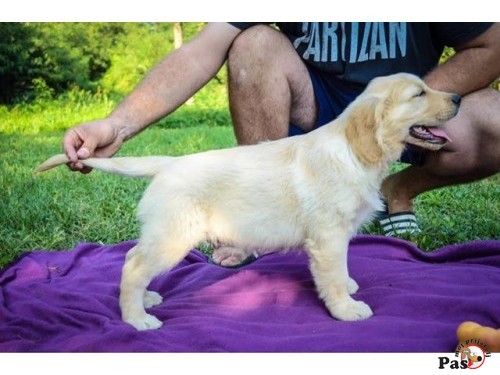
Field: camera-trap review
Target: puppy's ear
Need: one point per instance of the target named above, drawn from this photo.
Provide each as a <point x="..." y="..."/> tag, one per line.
<point x="361" y="131"/>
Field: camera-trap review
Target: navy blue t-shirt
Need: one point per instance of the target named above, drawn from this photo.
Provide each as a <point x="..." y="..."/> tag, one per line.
<point x="359" y="51"/>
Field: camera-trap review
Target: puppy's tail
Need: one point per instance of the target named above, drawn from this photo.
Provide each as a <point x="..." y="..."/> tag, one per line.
<point x="126" y="166"/>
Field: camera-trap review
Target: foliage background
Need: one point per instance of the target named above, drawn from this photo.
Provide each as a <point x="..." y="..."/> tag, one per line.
<point x="42" y="60"/>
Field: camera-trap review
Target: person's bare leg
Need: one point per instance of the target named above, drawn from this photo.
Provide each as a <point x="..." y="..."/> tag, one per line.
<point x="474" y="153"/>
<point x="269" y="87"/>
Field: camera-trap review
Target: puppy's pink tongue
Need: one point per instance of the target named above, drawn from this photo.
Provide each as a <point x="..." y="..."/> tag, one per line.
<point x="437" y="132"/>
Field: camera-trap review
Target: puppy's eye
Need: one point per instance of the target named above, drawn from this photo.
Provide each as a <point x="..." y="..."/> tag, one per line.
<point x="421" y="93"/>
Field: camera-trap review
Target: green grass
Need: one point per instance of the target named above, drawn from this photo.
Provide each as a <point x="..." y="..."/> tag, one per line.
<point x="57" y="209"/>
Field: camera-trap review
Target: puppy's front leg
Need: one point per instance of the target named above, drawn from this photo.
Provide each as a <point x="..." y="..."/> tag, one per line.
<point x="328" y="257"/>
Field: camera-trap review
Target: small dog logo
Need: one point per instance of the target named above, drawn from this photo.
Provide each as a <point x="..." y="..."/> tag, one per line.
<point x="469" y="354"/>
<point x="474" y="355"/>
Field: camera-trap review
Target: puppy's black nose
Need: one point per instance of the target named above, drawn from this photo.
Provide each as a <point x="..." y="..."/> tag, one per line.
<point x="456" y="99"/>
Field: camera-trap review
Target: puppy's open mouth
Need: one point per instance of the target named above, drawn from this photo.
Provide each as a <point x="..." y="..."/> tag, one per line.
<point x="429" y="134"/>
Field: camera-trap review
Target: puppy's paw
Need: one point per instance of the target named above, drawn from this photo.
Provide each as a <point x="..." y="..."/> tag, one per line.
<point x="146" y="322"/>
<point x="351" y="310"/>
<point x="152" y="299"/>
<point x="352" y="286"/>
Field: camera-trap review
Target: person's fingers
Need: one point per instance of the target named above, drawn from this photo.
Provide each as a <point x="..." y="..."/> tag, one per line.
<point x="75" y="166"/>
<point x="88" y="147"/>
<point x="72" y="166"/>
<point x="89" y="140"/>
<point x="79" y="167"/>
<point x="70" y="143"/>
<point x="83" y="152"/>
<point x="108" y="150"/>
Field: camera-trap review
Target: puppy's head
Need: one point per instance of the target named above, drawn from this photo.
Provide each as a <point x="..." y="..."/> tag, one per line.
<point x="395" y="110"/>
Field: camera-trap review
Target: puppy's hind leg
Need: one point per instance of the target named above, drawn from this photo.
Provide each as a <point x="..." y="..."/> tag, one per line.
<point x="150" y="298"/>
<point x="147" y="260"/>
<point x="137" y="273"/>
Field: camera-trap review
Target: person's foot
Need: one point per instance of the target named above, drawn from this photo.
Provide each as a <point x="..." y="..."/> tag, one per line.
<point x="232" y="257"/>
<point x="398" y="224"/>
<point x="398" y="218"/>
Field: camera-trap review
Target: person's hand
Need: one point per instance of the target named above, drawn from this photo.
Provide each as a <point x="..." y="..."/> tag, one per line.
<point x="98" y="139"/>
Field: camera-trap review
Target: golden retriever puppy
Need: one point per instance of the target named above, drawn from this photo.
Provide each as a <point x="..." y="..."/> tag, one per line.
<point x="313" y="190"/>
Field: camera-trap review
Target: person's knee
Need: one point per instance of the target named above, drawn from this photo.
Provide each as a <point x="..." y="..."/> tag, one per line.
<point x="250" y="50"/>
<point x="253" y="43"/>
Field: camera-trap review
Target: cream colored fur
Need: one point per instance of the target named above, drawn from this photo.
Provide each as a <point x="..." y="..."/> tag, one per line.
<point x="313" y="190"/>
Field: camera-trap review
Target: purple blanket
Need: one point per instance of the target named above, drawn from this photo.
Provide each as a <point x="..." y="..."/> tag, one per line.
<point x="68" y="301"/>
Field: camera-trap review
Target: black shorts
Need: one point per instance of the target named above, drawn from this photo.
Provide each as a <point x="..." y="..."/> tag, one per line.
<point x="333" y="96"/>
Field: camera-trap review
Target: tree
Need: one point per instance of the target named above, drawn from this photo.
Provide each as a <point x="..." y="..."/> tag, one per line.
<point x="177" y="28"/>
<point x="46" y="59"/>
<point x="15" y="49"/>
<point x="53" y="57"/>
